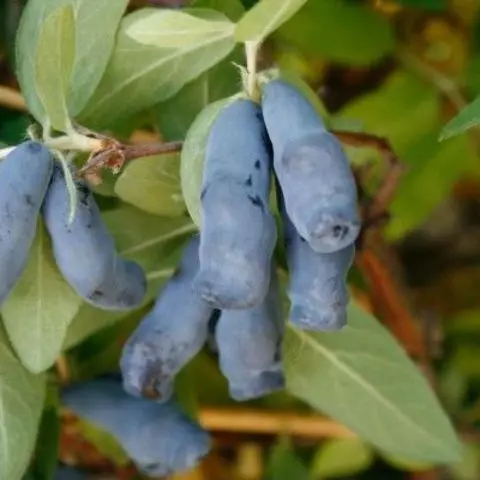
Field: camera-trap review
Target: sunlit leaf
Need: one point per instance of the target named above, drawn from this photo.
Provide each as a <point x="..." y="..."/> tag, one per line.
<point x="167" y="28"/>
<point x="342" y="457"/>
<point x="139" y="76"/>
<point x="153" y="185"/>
<point x="54" y="57"/>
<point x="361" y="377"/>
<point x="21" y="404"/>
<point x="40" y="308"/>
<point x="264" y="18"/>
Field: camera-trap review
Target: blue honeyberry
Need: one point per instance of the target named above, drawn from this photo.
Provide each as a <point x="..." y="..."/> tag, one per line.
<point x="238" y="231"/>
<point x="250" y="343"/>
<point x="85" y="252"/>
<point x="312" y="169"/>
<point x="169" y="336"/>
<point x="24" y="177"/>
<point x="159" y="438"/>
<point x="317" y="281"/>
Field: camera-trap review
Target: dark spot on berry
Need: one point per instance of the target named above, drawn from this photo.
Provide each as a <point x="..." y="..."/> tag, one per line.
<point x="257" y="164"/>
<point x="204" y="191"/>
<point x="29" y="200"/>
<point x="302" y="239"/>
<point x="339" y="231"/>
<point x="257" y="201"/>
<point x="95" y="295"/>
<point x="34" y="147"/>
<point x="248" y="181"/>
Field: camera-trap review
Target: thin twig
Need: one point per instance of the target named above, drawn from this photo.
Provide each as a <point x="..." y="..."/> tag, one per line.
<point x="395" y="169"/>
<point x="12" y="98"/>
<point x="270" y="423"/>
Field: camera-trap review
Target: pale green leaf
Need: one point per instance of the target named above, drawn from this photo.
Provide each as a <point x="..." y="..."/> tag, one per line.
<point x="54" y="58"/>
<point x="468" y="118"/>
<point x="96" y="24"/>
<point x="340" y="31"/>
<point x="95" y="30"/>
<point x="175" y="116"/>
<point x="154" y="242"/>
<point x="362" y="378"/>
<point x="139" y="76"/>
<point x="21" y="403"/>
<point x="166" y="28"/>
<point x="192" y="156"/>
<point x="153" y="185"/>
<point x="40" y="308"/>
<point x="342" y="457"/>
<point x="264" y="18"/>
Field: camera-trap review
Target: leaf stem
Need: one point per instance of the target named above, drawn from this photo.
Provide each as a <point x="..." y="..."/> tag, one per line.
<point x="251" y="54"/>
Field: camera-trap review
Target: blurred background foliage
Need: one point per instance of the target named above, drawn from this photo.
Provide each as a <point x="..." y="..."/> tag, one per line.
<point x="399" y="69"/>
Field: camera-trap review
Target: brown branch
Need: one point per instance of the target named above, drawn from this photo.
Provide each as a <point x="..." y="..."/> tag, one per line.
<point x="395" y="169"/>
<point x="389" y="302"/>
<point x="115" y="155"/>
<point x="11" y="98"/>
<point x="250" y="421"/>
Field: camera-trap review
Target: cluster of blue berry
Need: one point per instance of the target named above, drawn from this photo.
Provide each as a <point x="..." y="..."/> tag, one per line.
<point x="227" y="275"/>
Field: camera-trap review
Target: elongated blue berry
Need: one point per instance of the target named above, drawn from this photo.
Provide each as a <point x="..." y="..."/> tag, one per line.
<point x="249" y="344"/>
<point x="238" y="231"/>
<point x="24" y="177"/>
<point x="85" y="251"/>
<point x="159" y="438"/>
<point x="169" y="336"/>
<point x="312" y="168"/>
<point x="317" y="281"/>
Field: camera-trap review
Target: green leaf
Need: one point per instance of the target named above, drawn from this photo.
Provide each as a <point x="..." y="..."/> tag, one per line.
<point x="468" y="468"/>
<point x="46" y="451"/>
<point x="283" y="464"/>
<point x="362" y="378"/>
<point x="432" y="5"/>
<point x="154" y="242"/>
<point x="406" y="464"/>
<point x="95" y="30"/>
<point x="340" y="31"/>
<point x="175" y="116"/>
<point x="40" y="308"/>
<point x="433" y="171"/>
<point x="139" y="76"/>
<point x="384" y="111"/>
<point x="153" y="185"/>
<point x="264" y="18"/>
<point x="468" y="118"/>
<point x="54" y="58"/>
<point x="342" y="457"/>
<point x="167" y="28"/>
<point x="192" y="156"/>
<point x="21" y="403"/>
<point x="233" y="9"/>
